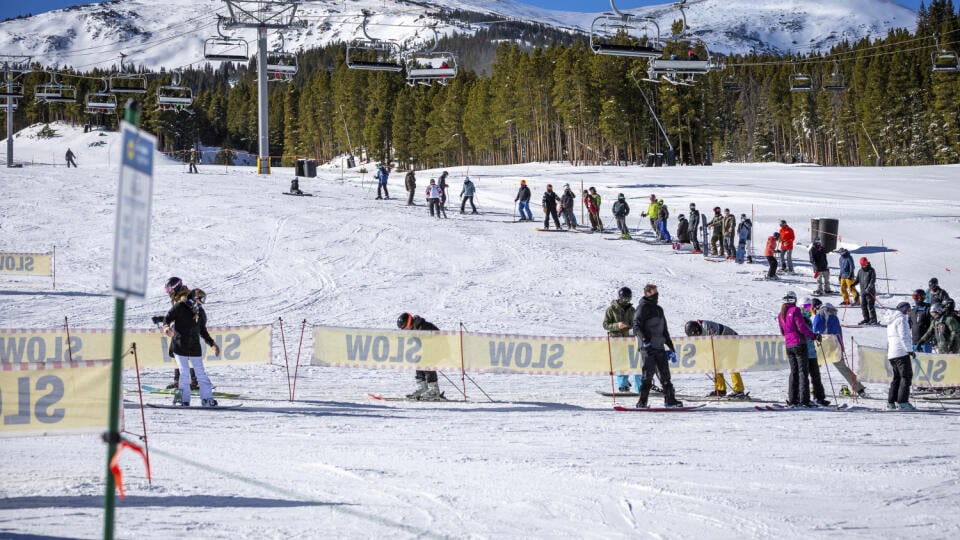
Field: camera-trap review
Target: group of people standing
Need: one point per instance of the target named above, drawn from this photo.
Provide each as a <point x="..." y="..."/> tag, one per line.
<point x="436" y="192"/>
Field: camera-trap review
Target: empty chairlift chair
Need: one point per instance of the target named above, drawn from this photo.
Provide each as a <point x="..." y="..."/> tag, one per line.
<point x="801" y="82"/>
<point x="101" y="102"/>
<point x="174" y="97"/>
<point x="222" y="48"/>
<point x="373" y="54"/>
<point x="625" y="34"/>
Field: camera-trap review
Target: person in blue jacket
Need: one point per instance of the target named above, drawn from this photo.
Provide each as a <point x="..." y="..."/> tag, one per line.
<point x="825" y="321"/>
<point x="381" y="176"/>
<point x="466" y="194"/>
<point x="813" y="366"/>
<point x="848" y="272"/>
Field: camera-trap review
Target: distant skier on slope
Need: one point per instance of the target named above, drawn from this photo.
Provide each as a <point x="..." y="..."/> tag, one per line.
<point x="523" y="198"/>
<point x="566" y="206"/>
<point x="620" y="211"/>
<point x="550" y="202"/>
<point x="382" y="176"/>
<point x="867" y="281"/>
<point x="695" y="227"/>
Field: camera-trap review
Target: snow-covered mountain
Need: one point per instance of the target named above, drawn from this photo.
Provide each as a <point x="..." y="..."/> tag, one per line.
<point x="171" y="34"/>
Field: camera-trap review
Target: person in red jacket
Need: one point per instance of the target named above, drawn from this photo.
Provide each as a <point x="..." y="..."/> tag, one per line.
<point x="786" y="246"/>
<point x="768" y="251"/>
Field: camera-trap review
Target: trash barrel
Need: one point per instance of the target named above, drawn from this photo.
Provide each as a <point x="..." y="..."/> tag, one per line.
<point x="300" y="167"/>
<point x="651" y="159"/>
<point x="671" y="160"/>
<point x="827" y="230"/>
<point x="351" y="162"/>
<point x="311" y="168"/>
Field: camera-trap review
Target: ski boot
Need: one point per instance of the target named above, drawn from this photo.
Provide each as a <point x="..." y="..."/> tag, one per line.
<point x="717" y="393"/>
<point x="209" y="402"/>
<point x="433" y="392"/>
<point x="178" y="398"/>
<point x="845" y="390"/>
<point x="421" y="388"/>
<point x="892" y="406"/>
<point x="906" y="406"/>
<point x="739" y="395"/>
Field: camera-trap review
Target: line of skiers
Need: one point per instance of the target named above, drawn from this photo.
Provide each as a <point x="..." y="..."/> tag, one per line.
<point x="436" y="192"/>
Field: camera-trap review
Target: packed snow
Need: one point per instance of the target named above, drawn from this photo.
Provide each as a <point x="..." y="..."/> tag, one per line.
<point x="529" y="456"/>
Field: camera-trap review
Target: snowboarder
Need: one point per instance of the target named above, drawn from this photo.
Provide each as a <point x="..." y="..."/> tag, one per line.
<point x="900" y="355"/>
<point x="813" y="366"/>
<point x="427" y="386"/>
<point x="716" y="236"/>
<point x="795" y="332"/>
<point x="193" y="161"/>
<point x="768" y="251"/>
<point x="920" y="321"/>
<point x="177" y="292"/>
<point x="410" y="182"/>
<point x="936" y="295"/>
<point x="434" y="193"/>
<point x="650" y="328"/>
<point x="382" y="175"/>
<point x="825" y="321"/>
<point x="847" y="275"/>
<point x="186" y="323"/>
<point x="653" y="213"/>
<point x="566" y="205"/>
<point x="443" y="191"/>
<point x="466" y="194"/>
<point x="71" y="158"/>
<point x="295" y="186"/>
<point x="945" y="329"/>
<point x="786" y="247"/>
<point x="744" y="232"/>
<point x="821" y="267"/>
<point x="593" y="211"/>
<point x="523" y="196"/>
<point x="695" y="227"/>
<point x="620" y="211"/>
<point x="729" y="232"/>
<point x="617" y="322"/>
<point x="683" y="231"/>
<point x="698" y="328"/>
<point x="867" y="281"/>
<point x="550" y="202"/>
<point x="663" y="214"/>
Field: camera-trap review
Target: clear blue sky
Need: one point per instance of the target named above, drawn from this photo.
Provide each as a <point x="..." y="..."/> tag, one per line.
<point x="13" y="8"/>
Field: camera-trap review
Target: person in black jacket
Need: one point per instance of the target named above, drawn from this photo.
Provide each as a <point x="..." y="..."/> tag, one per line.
<point x="650" y="327"/>
<point x="683" y="230"/>
<point x="695" y="227"/>
<point x="523" y="197"/>
<point x="937" y="295"/>
<point x="620" y="211"/>
<point x="550" y="202"/>
<point x="867" y="281"/>
<point x="920" y="321"/>
<point x="821" y="267"/>
<point x="177" y="292"/>
<point x="428" y="389"/>
<point x="186" y="323"/>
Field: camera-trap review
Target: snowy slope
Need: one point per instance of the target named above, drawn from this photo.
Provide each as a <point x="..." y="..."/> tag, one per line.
<point x="549" y="459"/>
<point x="171" y="34"/>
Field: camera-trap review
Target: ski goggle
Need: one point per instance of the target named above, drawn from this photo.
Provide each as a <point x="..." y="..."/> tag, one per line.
<point x="170" y="287"/>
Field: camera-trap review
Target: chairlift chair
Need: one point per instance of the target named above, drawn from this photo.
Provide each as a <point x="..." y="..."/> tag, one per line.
<point x="55" y="92"/>
<point x="281" y="66"/>
<point x="14" y="90"/>
<point x="101" y="102"/>
<point x="8" y="102"/>
<point x="427" y="68"/>
<point x="174" y="97"/>
<point x="223" y="48"/>
<point x="730" y="84"/>
<point x="373" y="54"/>
<point x="128" y="84"/>
<point x="625" y="34"/>
<point x="834" y="82"/>
<point x="945" y="61"/>
<point x="801" y="82"/>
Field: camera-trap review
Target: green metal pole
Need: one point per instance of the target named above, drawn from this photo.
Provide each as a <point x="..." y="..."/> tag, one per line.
<point x="112" y="436"/>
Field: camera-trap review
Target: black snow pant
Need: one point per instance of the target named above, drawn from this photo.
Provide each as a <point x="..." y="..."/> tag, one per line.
<point x="463" y="204"/>
<point x="655" y="363"/>
<point x="549" y="212"/>
<point x="902" y="377"/>
<point x="410" y="198"/>
<point x="868" y="307"/>
<point x="385" y="192"/>
<point x="813" y="369"/>
<point x="772" y="271"/>
<point x="622" y="225"/>
<point x="798" y="385"/>
<point x="426" y="376"/>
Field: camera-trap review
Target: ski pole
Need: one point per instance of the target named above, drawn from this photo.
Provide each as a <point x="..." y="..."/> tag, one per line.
<point x="829" y="377"/>
<point x="929" y="382"/>
<point x="454" y="384"/>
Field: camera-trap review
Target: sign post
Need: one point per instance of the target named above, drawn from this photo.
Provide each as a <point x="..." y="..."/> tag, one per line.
<point x="130" y="258"/>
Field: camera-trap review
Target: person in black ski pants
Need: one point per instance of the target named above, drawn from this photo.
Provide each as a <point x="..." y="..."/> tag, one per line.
<point x="867" y="281"/>
<point x="550" y="202"/>
<point x="650" y="327"/>
<point x="427" y="386"/>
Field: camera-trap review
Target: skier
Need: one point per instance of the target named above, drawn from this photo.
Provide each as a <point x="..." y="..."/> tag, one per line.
<point x="410" y="182"/>
<point x="867" y="281"/>
<point x="523" y="196"/>
<point x="295" y="186"/>
<point x="653" y="213"/>
<point x="443" y="192"/>
<point x="620" y="211"/>
<point x="716" y="236"/>
<point x="566" y="205"/>
<point x="729" y="232"/>
<point x="945" y="329"/>
<point x="899" y="354"/>
<point x="821" y="267"/>
<point x="428" y="389"/>
<point x="617" y="322"/>
<point x="786" y="247"/>
<point x="662" y="215"/>
<point x="382" y="175"/>
<point x="186" y="323"/>
<point x="847" y="284"/>
<point x="813" y="366"/>
<point x="593" y="211"/>
<point x="466" y="194"/>
<point x="768" y="252"/>
<point x="550" y="202"/>
<point x="596" y="202"/>
<point x="433" y="198"/>
<point x="71" y="158"/>
<point x="795" y="332"/>
<point x="920" y="321"/>
<point x="825" y="321"/>
<point x="695" y="227"/>
<point x="683" y="231"/>
<point x="177" y="292"/>
<point x="650" y="327"/>
<point x="936" y="295"/>
<point x="744" y="230"/>
<point x="193" y="161"/>
<point x="698" y="328"/>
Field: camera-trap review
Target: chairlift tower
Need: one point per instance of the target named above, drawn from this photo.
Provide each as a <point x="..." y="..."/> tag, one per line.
<point x="263" y="15"/>
<point x="12" y="68"/>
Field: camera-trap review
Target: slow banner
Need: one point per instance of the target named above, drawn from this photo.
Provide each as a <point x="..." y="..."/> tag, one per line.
<point x="936" y="370"/>
<point x="69" y="399"/>
<point x="238" y="345"/>
<point x="359" y="347"/>
<point x="502" y="353"/>
<point x="26" y="264"/>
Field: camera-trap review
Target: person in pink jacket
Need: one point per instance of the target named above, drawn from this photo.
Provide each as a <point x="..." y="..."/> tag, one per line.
<point x="795" y="332"/>
<point x="768" y="251"/>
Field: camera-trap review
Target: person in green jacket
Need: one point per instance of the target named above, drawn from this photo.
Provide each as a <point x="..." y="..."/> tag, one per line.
<point x="945" y="329"/>
<point x="617" y="321"/>
<point x="653" y="212"/>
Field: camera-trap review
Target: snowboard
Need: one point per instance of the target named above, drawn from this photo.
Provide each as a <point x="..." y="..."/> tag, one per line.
<point x="155" y="390"/>
<point x="704" y="237"/>
<point x="379" y="397"/>
<point x="863" y="325"/>
<point x="194" y="407"/>
<point x="298" y="194"/>
<point x="660" y="409"/>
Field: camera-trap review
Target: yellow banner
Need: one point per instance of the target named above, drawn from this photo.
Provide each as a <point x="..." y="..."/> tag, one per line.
<point x="535" y="354"/>
<point x="238" y="345"/>
<point x="26" y="264"/>
<point x="937" y="370"/>
<point x="357" y="347"/>
<point x="48" y="400"/>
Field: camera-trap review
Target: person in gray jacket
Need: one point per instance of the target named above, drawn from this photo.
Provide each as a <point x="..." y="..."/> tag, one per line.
<point x="650" y="328"/>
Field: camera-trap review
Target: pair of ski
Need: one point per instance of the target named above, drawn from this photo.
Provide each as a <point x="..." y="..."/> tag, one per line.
<point x="196" y="407"/>
<point x="783" y="407"/>
<point x="196" y="397"/>
<point x="379" y="397"/>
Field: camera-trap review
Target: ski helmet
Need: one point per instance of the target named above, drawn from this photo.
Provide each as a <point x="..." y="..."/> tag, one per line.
<point x="523" y="182"/>
<point x="404" y="320"/>
<point x="816" y="303"/>
<point x="829" y="308"/>
<point x="903" y="307"/>
<point x="621" y="197"/>
<point x="693" y="206"/>
<point x="919" y="294"/>
<point x="624" y="293"/>
<point x="693" y="328"/>
<point x="660" y="202"/>
<point x="864" y="262"/>
<point x="790" y="297"/>
<point x="933" y="283"/>
<point x="716" y="209"/>
<point x="936" y="308"/>
<point x="198" y="295"/>
<point x="776" y="235"/>
<point x="172" y="285"/>
<point x="806" y="302"/>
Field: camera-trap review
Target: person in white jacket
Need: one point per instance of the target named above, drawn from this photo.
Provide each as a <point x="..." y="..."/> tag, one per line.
<point x="900" y="354"/>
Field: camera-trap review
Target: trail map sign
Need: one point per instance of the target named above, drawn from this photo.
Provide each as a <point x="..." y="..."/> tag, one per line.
<point x="135" y="192"/>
